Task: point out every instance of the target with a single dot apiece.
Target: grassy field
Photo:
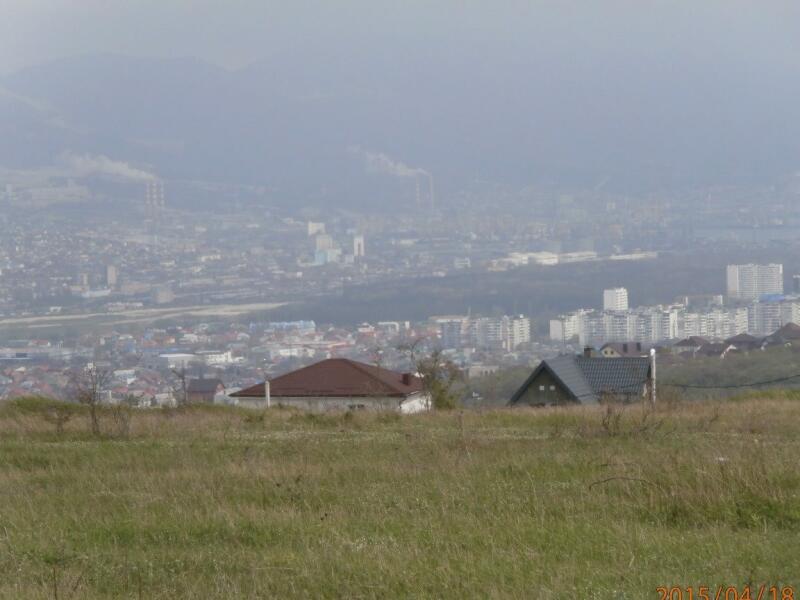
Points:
(553, 503)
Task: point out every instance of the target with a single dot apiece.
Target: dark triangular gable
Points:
(545, 366)
(586, 380)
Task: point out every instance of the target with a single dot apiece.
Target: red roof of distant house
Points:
(694, 341)
(204, 386)
(745, 342)
(337, 377)
(743, 338)
(790, 331)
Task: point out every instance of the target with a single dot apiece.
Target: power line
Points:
(636, 387)
(632, 388)
(731, 386)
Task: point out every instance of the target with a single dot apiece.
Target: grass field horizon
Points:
(582, 502)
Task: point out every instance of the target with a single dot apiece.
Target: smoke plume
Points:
(378, 162)
(87, 164)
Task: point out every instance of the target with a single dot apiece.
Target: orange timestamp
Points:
(721, 592)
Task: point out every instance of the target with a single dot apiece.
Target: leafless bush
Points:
(59, 414)
(121, 417)
(641, 421)
(612, 418)
(704, 422)
(88, 385)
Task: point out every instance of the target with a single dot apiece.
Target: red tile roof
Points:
(337, 377)
(790, 331)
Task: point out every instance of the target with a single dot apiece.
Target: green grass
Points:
(554, 503)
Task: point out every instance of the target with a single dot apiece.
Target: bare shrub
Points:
(121, 417)
(88, 385)
(59, 414)
(54, 412)
(611, 421)
(641, 420)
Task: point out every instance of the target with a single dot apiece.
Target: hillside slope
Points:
(546, 504)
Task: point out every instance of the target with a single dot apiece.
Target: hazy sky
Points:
(663, 92)
(237, 32)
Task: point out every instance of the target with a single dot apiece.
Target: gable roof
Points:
(694, 341)
(200, 386)
(789, 332)
(715, 349)
(337, 377)
(587, 379)
(743, 338)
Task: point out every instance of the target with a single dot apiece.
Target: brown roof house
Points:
(339, 384)
(689, 346)
(203, 391)
(788, 335)
(744, 342)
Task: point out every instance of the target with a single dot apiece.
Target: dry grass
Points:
(555, 503)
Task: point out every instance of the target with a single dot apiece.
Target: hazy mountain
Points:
(634, 120)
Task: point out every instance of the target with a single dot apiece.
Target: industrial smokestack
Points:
(377, 162)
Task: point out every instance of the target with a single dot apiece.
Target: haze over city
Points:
(622, 95)
(442, 234)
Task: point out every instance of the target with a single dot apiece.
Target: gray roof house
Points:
(584, 380)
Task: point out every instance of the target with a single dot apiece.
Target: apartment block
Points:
(751, 282)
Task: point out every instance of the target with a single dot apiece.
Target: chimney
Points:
(587, 352)
(406, 378)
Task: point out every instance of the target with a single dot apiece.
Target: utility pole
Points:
(653, 376)
(267, 393)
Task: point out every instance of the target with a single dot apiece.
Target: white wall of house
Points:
(416, 403)
(410, 404)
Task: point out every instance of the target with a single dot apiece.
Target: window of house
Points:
(541, 388)
(552, 388)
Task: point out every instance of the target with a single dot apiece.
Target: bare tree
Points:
(377, 355)
(88, 385)
(121, 415)
(438, 373)
(412, 349)
(439, 378)
(180, 389)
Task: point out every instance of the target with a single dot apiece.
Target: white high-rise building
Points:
(500, 333)
(750, 282)
(358, 246)
(649, 324)
(315, 228)
(615, 299)
(566, 327)
(790, 312)
(765, 317)
(717, 323)
(111, 276)
(519, 332)
(323, 242)
(452, 330)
